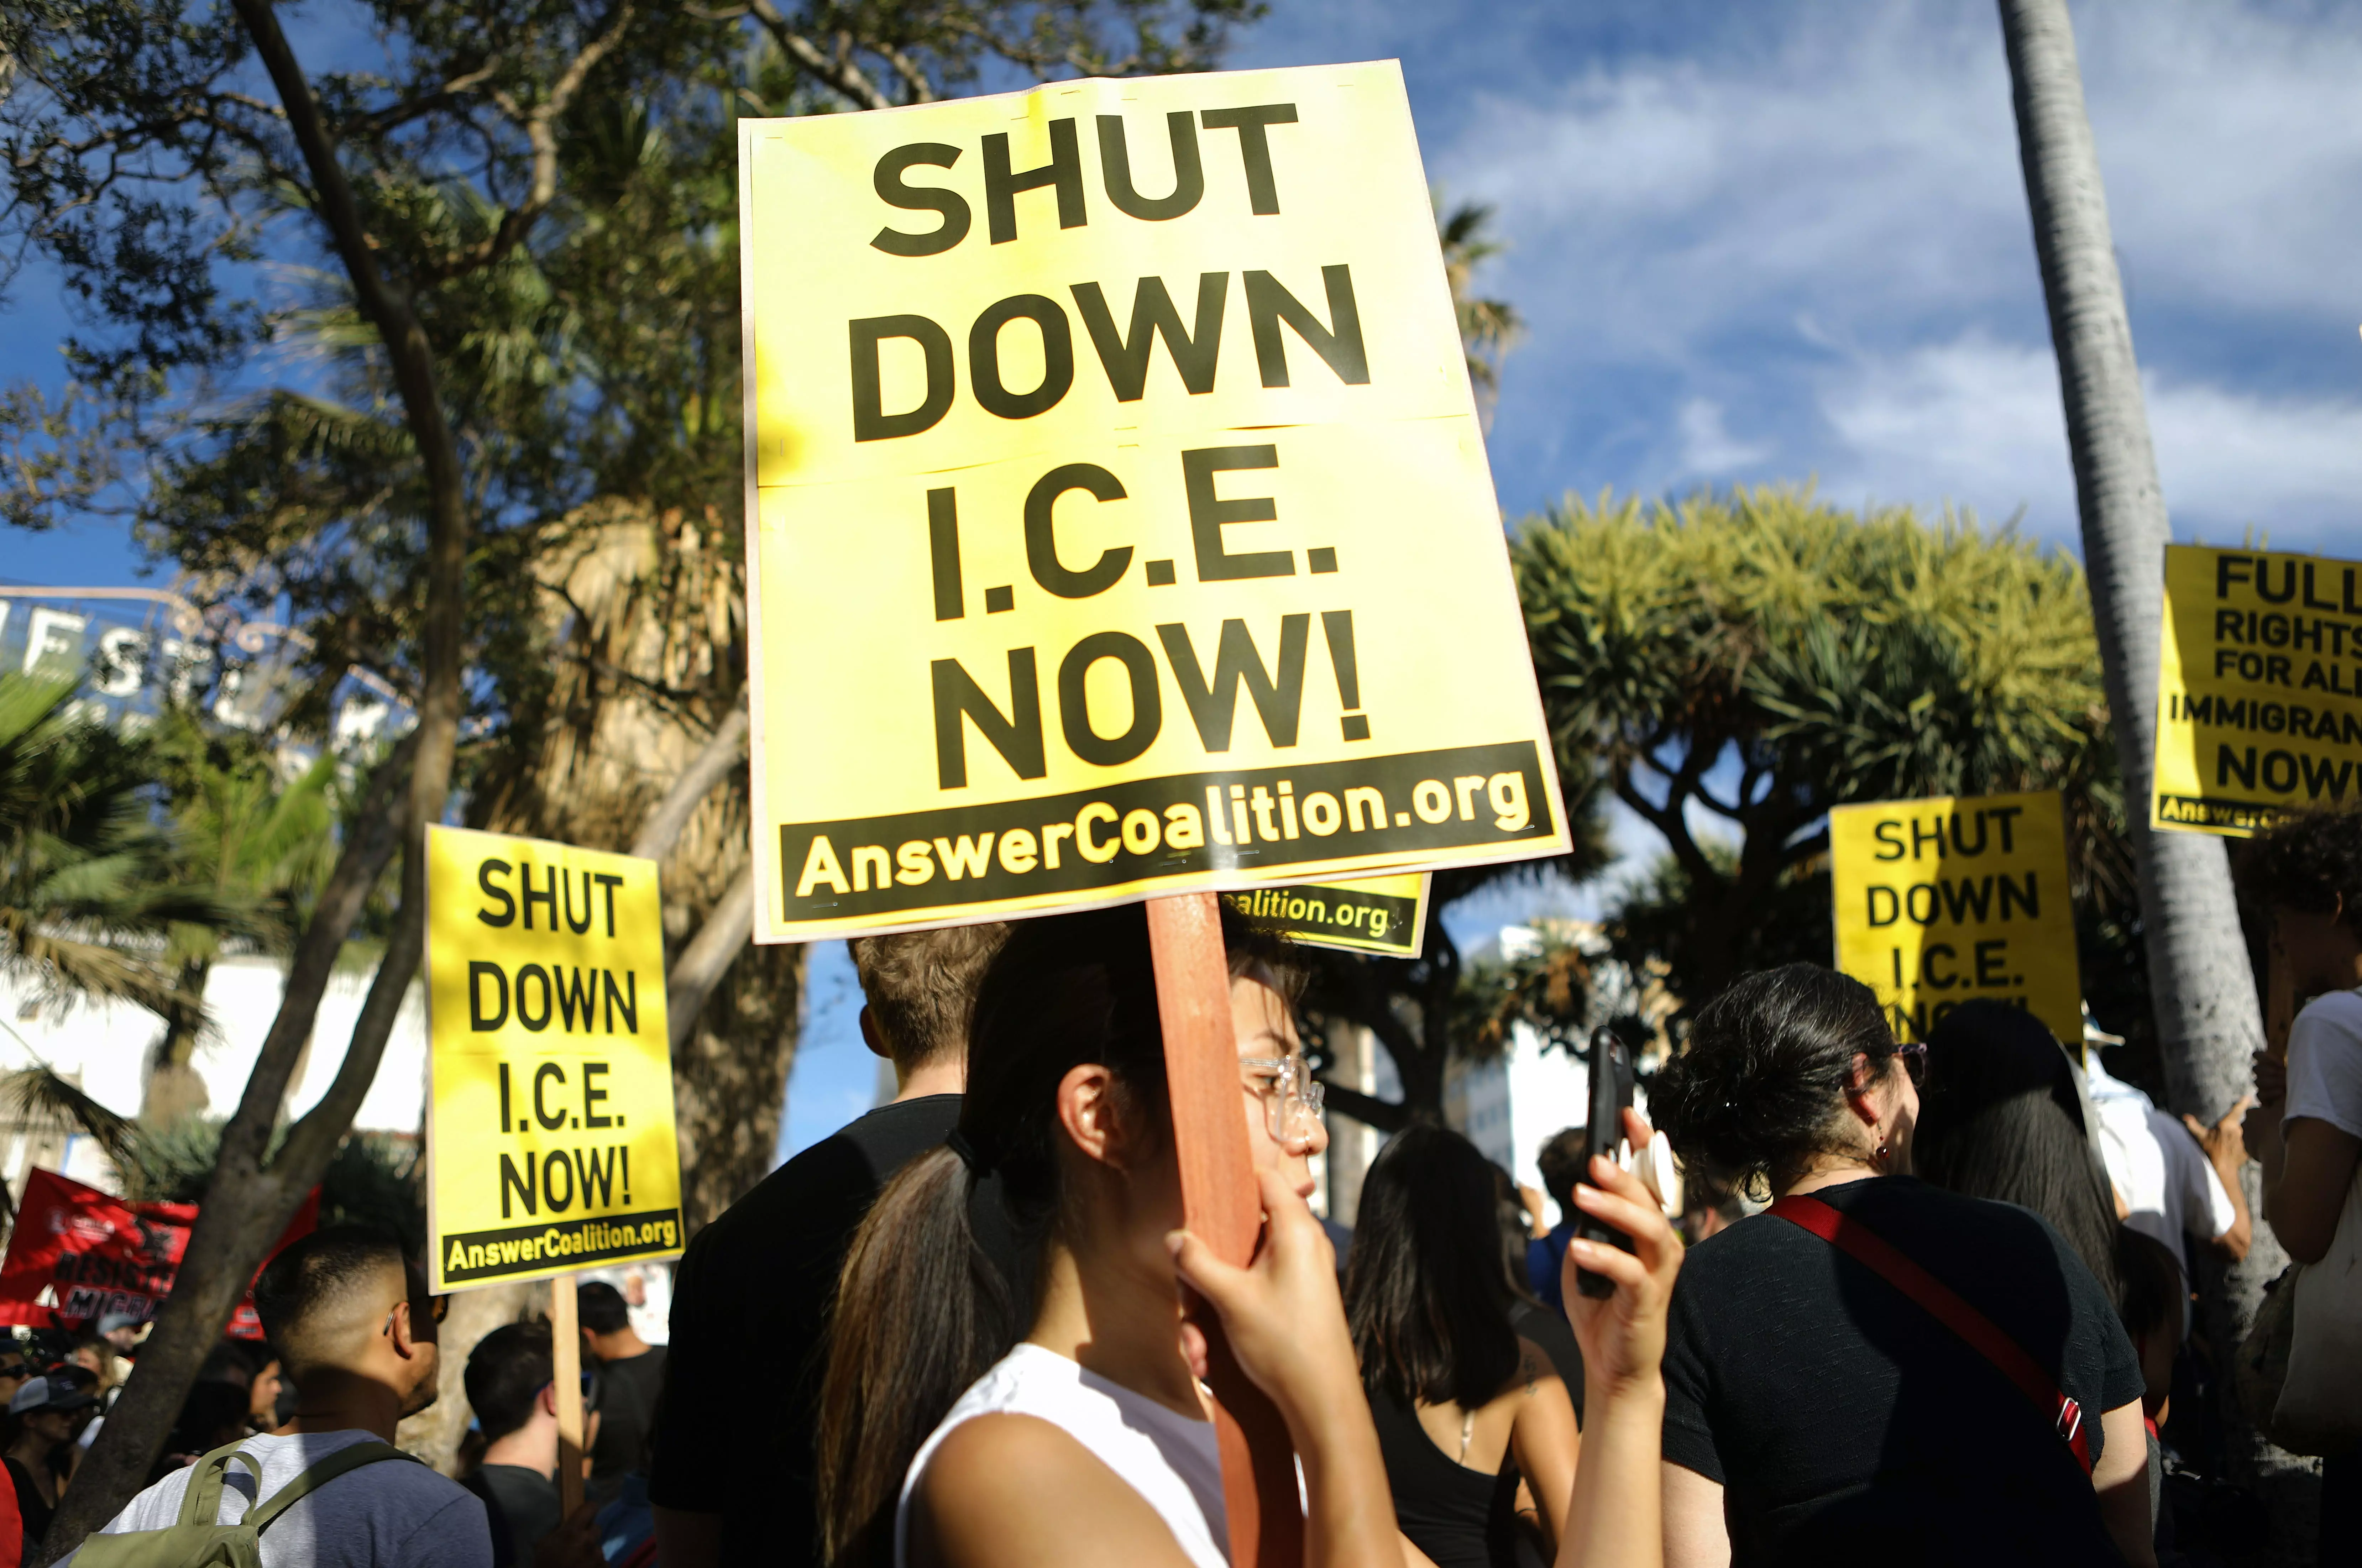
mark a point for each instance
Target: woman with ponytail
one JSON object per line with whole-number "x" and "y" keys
{"x": 1876, "y": 1367}
{"x": 969, "y": 1421}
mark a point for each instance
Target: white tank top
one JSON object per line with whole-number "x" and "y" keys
{"x": 1168, "y": 1459}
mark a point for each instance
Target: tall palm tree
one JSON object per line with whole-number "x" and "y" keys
{"x": 1488, "y": 328}
{"x": 2202, "y": 987}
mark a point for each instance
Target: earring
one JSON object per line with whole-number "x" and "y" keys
{"x": 1882, "y": 1153}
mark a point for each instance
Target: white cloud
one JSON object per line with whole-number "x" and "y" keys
{"x": 1979, "y": 422}
{"x": 1708, "y": 448}
{"x": 1821, "y": 240}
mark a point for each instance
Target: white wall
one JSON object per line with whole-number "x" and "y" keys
{"x": 105, "y": 1047}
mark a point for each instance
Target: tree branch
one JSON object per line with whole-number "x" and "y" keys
{"x": 540, "y": 129}
{"x": 722, "y": 753}
{"x": 842, "y": 77}
{"x": 729, "y": 925}
{"x": 1667, "y": 821}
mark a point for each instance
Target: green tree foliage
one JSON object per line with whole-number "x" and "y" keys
{"x": 259, "y": 843}
{"x": 88, "y": 883}
{"x": 1817, "y": 657}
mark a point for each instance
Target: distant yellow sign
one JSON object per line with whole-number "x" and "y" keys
{"x": 1952, "y": 898}
{"x": 1121, "y": 522}
{"x": 2259, "y": 688}
{"x": 1386, "y": 915}
{"x": 550, "y": 1143}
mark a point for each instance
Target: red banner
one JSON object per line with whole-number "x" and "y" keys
{"x": 79, "y": 1254}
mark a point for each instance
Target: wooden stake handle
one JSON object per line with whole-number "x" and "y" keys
{"x": 1221, "y": 1207}
{"x": 566, "y": 1340}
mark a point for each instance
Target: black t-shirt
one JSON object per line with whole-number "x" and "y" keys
{"x": 750, "y": 1302}
{"x": 1844, "y": 1423}
{"x": 628, "y": 1391}
{"x": 521, "y": 1506}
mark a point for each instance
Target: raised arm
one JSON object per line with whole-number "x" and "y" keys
{"x": 1615, "y": 1520}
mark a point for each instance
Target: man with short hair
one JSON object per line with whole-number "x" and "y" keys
{"x": 1561, "y": 1162}
{"x": 750, "y": 1300}
{"x": 511, "y": 1386}
{"x": 631, "y": 1379}
{"x": 356, "y": 1329}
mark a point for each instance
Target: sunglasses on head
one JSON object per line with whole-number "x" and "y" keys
{"x": 1914, "y": 1061}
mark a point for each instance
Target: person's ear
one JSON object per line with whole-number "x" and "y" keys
{"x": 873, "y": 1036}
{"x": 549, "y": 1400}
{"x": 1089, "y": 1111}
{"x": 405, "y": 1343}
{"x": 1858, "y": 1090}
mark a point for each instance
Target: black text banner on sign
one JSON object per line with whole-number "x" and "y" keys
{"x": 2259, "y": 688}
{"x": 1386, "y": 915}
{"x": 1122, "y": 523}
{"x": 1953, "y": 897}
{"x": 550, "y": 1140}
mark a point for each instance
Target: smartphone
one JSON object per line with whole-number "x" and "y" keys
{"x": 1609, "y": 1061}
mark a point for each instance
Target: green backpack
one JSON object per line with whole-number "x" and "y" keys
{"x": 194, "y": 1540}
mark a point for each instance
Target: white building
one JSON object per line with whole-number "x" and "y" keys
{"x": 105, "y": 1047}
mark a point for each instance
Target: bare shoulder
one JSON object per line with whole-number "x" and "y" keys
{"x": 1535, "y": 1369}
{"x": 1007, "y": 1491}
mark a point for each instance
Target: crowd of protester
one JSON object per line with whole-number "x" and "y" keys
{"x": 1928, "y": 1302}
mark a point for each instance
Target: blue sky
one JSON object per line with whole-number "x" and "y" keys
{"x": 1788, "y": 241}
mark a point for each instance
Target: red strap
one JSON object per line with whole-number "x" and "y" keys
{"x": 1943, "y": 1304}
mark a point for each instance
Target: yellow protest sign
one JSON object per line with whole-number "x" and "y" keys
{"x": 549, "y": 1135}
{"x": 1386, "y": 915}
{"x": 1120, "y": 522}
{"x": 1957, "y": 897}
{"x": 2259, "y": 688}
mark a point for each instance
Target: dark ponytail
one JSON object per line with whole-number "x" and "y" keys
{"x": 1761, "y": 1092}
{"x": 922, "y": 1311}
{"x": 928, "y": 1311}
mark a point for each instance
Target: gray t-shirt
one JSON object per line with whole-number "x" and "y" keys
{"x": 392, "y": 1514}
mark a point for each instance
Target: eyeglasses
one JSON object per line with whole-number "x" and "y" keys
{"x": 1291, "y": 1099}
{"x": 1914, "y": 1061}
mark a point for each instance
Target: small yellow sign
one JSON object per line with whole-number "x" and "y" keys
{"x": 1952, "y": 898}
{"x": 2259, "y": 688}
{"x": 1119, "y": 522}
{"x": 550, "y": 1143}
{"x": 1386, "y": 915}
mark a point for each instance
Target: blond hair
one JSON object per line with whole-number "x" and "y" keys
{"x": 921, "y": 987}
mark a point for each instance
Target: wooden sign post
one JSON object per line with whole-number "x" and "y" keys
{"x": 566, "y": 1340}
{"x": 1220, "y": 1205}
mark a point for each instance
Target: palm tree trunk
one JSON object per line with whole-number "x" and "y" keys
{"x": 2203, "y": 988}
{"x": 175, "y": 1090}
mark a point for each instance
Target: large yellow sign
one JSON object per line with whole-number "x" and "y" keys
{"x": 2259, "y": 688}
{"x": 1122, "y": 523}
{"x": 550, "y": 1133}
{"x": 1957, "y": 897}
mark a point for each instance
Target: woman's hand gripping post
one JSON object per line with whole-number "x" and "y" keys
{"x": 1286, "y": 1325}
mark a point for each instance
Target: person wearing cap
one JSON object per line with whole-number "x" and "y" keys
{"x": 14, "y": 1368}
{"x": 41, "y": 1421}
